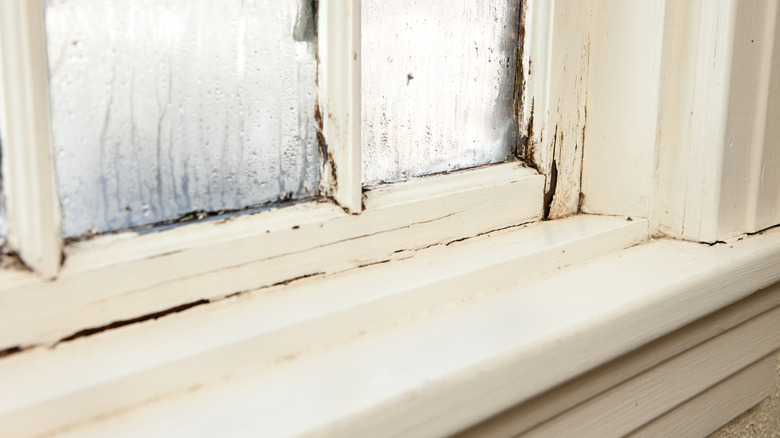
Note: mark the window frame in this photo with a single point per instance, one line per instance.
(666, 283)
(349, 226)
(32, 213)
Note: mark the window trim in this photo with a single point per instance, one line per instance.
(340, 108)
(174, 268)
(658, 306)
(32, 215)
(33, 212)
(236, 354)
(121, 277)
(272, 326)
(341, 184)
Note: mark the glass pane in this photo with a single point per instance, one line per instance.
(162, 108)
(437, 85)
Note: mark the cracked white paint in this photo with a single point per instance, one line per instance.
(164, 108)
(437, 86)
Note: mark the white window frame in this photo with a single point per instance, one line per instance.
(636, 304)
(320, 236)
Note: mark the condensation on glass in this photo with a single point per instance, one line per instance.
(438, 81)
(163, 108)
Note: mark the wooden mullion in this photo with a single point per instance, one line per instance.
(32, 211)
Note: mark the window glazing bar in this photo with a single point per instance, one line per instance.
(339, 100)
(32, 213)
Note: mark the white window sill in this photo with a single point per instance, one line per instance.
(420, 346)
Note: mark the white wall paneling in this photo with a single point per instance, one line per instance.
(705, 413)
(578, 391)
(626, 407)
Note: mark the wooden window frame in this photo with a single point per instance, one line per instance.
(595, 286)
(215, 258)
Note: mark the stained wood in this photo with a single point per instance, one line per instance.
(555, 71)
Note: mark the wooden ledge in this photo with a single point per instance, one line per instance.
(479, 326)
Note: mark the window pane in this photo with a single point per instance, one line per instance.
(161, 108)
(438, 82)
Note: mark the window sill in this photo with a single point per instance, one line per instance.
(426, 345)
(121, 277)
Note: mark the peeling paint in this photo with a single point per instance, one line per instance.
(529, 143)
(549, 195)
(520, 83)
(12, 350)
(555, 102)
(325, 187)
(397, 255)
(116, 324)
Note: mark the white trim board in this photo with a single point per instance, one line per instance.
(339, 94)
(417, 379)
(715, 407)
(530, 414)
(123, 277)
(555, 70)
(32, 215)
(625, 408)
(682, 99)
(275, 325)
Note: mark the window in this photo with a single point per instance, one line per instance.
(182, 110)
(442, 105)
(162, 117)
(161, 110)
(630, 67)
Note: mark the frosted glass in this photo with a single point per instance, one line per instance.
(165, 107)
(437, 86)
